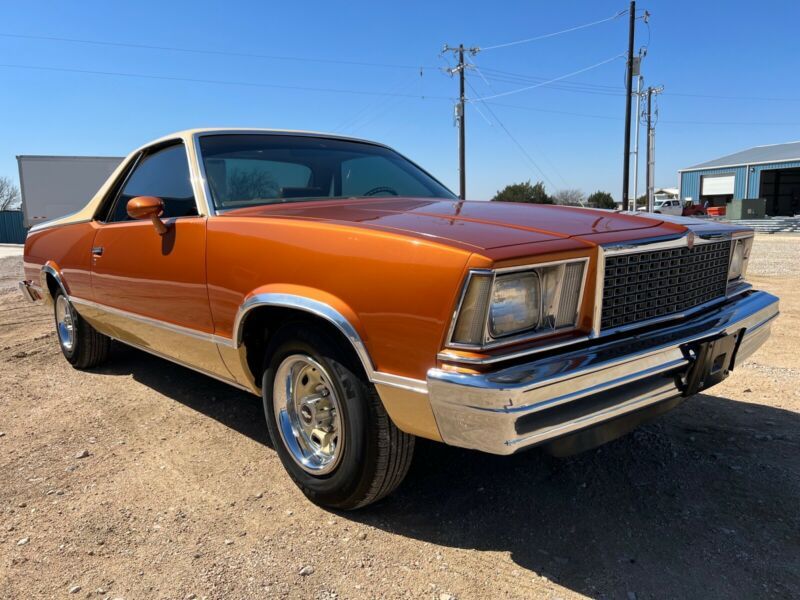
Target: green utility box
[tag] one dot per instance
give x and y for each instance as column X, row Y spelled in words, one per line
column 749, row 208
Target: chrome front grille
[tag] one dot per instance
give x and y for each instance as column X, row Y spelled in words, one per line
column 647, row 285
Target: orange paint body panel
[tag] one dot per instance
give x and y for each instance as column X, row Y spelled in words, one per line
column 69, row 250
column 399, row 291
column 158, row 276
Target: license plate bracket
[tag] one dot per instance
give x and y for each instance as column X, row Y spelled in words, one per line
column 712, row 362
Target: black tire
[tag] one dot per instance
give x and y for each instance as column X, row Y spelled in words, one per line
column 376, row 454
column 89, row 347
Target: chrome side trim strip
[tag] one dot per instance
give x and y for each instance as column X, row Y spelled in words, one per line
column 398, row 381
column 49, row 224
column 187, row 331
column 284, row 300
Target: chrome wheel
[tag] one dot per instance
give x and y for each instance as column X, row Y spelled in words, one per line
column 307, row 414
column 65, row 323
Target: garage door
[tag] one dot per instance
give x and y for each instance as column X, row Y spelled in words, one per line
column 717, row 185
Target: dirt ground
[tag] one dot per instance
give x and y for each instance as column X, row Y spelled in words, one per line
column 181, row 496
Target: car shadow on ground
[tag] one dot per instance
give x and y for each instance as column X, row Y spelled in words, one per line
column 701, row 503
column 234, row 408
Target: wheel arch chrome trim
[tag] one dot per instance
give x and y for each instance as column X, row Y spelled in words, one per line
column 49, row 269
column 335, row 318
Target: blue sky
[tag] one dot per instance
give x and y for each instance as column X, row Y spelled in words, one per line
column 729, row 71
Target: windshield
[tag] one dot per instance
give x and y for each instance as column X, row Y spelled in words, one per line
column 251, row 169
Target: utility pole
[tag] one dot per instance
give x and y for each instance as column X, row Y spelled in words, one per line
column 460, row 114
column 651, row 147
column 462, row 159
column 637, row 72
column 632, row 205
column 626, row 165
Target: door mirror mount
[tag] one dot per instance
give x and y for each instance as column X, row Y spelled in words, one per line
column 148, row 207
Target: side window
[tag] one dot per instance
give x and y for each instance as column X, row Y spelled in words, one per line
column 164, row 174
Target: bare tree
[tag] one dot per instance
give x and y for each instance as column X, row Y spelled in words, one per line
column 250, row 185
column 9, row 195
column 570, row 197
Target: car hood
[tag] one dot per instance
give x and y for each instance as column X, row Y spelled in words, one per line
column 481, row 225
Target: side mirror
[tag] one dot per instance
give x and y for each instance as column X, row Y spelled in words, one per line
column 148, row 207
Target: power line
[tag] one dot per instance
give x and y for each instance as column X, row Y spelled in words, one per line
column 555, row 111
column 210, row 52
column 669, row 121
column 385, row 105
column 555, row 33
column 594, row 88
column 721, row 97
column 555, row 79
column 744, row 123
column 522, row 78
column 544, row 156
column 373, row 64
column 580, row 86
column 218, row 81
column 562, row 87
column 511, row 137
column 373, row 105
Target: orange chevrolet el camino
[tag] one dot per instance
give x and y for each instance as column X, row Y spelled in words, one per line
column 367, row 305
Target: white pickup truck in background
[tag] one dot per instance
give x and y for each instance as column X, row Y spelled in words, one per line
column 668, row 206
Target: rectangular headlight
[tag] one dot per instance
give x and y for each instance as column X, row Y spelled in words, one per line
column 518, row 303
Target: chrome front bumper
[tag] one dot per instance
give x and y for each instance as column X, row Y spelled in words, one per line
column 30, row 291
column 529, row 404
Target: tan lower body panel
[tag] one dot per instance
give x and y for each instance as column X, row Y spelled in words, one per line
column 410, row 411
column 235, row 360
column 197, row 353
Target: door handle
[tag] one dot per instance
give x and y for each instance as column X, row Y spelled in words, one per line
column 97, row 251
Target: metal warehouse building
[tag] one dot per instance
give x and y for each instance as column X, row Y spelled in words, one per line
column 769, row 172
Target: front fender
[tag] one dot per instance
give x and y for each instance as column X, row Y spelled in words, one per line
column 313, row 301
